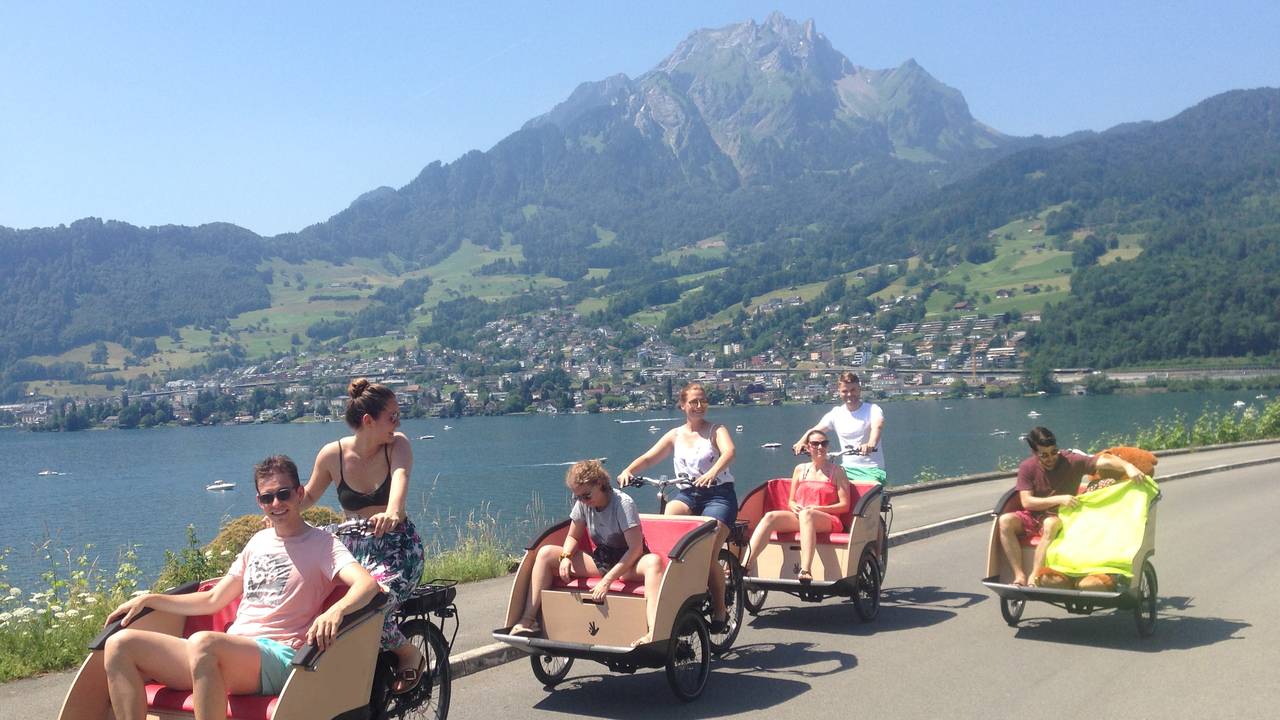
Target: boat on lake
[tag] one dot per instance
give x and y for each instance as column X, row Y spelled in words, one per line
column 1260, row 397
column 50, row 472
column 1238, row 403
column 1000, row 432
column 448, row 427
column 1033, row 414
column 654, row 428
column 771, row 446
column 426, row 437
column 221, row 485
column 739, row 428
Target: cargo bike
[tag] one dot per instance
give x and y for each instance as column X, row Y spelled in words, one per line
column 1139, row 594
column 576, row 627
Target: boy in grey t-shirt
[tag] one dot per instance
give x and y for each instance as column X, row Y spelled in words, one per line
column 611, row 520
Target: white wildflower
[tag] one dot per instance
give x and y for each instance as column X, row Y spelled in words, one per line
column 225, row 553
column 71, row 612
column 91, row 599
column 55, row 608
column 5, row 617
column 84, row 596
column 23, row 612
column 15, row 591
column 59, row 615
column 4, row 624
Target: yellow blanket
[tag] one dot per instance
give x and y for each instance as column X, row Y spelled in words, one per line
column 1104, row 532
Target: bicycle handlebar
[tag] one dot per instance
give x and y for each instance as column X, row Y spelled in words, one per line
column 661, row 483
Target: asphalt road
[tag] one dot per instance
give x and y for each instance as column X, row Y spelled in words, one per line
column 939, row 647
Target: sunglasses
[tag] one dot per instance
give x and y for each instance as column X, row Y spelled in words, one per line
column 1047, row 454
column 820, row 443
column 585, row 496
column 283, row 495
column 697, row 403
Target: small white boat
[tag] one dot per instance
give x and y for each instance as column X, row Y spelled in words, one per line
column 426, row 437
column 221, row 485
column 1000, row 432
column 49, row 472
column 448, row 427
column 654, row 428
column 739, row 428
column 945, row 407
column 1260, row 397
column 771, row 446
column 1238, row 403
column 1022, row 437
column 1033, row 414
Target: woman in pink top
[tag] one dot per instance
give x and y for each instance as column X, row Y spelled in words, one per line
column 819, row 495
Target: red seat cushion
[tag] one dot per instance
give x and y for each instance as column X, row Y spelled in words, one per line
column 823, row 538
column 242, row 707
column 584, row 584
column 660, row 535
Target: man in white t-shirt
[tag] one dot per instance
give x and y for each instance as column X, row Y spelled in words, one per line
column 283, row 576
column 859, row 426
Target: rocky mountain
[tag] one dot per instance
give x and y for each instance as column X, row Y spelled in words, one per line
column 753, row 130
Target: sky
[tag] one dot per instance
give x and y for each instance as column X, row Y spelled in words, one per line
column 275, row 116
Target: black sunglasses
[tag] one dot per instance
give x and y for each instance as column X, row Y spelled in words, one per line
column 283, row 495
column 820, row 443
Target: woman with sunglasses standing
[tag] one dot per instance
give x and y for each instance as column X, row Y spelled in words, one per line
column 612, row 521
column 703, row 453
column 819, row 495
column 372, row 474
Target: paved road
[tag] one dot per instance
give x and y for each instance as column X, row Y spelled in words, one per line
column 482, row 603
column 940, row 648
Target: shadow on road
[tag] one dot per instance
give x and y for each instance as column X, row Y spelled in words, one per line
column 901, row 608
column 1116, row 629
column 747, row 678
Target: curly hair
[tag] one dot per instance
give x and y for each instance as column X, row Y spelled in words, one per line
column 588, row 472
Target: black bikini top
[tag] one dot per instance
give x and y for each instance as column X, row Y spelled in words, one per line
column 351, row 500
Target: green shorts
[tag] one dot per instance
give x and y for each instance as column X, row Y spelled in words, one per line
column 865, row 474
column 275, row 657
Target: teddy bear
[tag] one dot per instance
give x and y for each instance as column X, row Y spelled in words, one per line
column 1099, row 582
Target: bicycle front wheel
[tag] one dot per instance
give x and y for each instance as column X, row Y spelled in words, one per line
column 430, row 699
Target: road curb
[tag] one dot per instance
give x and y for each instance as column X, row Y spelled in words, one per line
column 483, row 658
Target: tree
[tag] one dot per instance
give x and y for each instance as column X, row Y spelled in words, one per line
column 959, row 389
column 99, row 354
column 591, row 406
column 1039, row 378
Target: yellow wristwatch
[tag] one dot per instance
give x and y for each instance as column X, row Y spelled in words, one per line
column 566, row 555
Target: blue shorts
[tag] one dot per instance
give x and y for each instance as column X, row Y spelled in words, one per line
column 276, row 657
column 718, row 501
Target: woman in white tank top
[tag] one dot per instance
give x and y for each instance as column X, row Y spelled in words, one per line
column 703, row 452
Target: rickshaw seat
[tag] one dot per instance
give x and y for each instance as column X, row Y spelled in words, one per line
column 241, row 707
column 660, row 536
column 840, row 538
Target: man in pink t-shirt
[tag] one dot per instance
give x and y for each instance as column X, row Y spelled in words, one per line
column 1048, row 480
column 283, row 576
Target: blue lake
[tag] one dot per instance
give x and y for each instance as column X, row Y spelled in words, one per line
column 146, row 486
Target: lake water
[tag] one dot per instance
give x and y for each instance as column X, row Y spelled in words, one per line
column 146, row 486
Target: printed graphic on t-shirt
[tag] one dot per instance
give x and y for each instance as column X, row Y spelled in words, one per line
column 265, row 579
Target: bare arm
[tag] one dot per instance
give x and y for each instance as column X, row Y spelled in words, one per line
column 1036, row 504
column 569, row 548
column 655, row 454
column 321, row 476
column 728, row 453
column 206, row 602
column 821, row 427
column 362, row 589
column 795, row 483
column 873, row 438
column 401, row 468
column 635, row 549
column 1112, row 463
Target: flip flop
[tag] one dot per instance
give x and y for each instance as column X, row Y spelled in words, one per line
column 804, row 576
column 718, row 627
column 409, row 675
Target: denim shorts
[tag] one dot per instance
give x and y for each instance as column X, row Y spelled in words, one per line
column 718, row 501
column 275, row 657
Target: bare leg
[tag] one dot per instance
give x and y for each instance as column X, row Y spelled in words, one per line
column 222, row 664
column 715, row 578
column 773, row 521
column 545, row 568
column 648, row 569
column 1010, row 526
column 812, row 522
column 134, row 656
column 1052, row 526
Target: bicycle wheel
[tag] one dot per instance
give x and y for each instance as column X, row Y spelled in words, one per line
column 721, row 642
column 866, row 596
column 688, row 662
column 430, row 699
column 753, row 597
column 1144, row 612
column 550, row 669
column 1011, row 610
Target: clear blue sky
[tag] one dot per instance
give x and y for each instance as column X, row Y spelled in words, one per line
column 276, row 115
